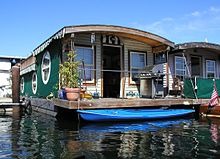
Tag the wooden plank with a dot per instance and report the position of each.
(120, 103)
(212, 115)
(10, 104)
(28, 62)
(161, 48)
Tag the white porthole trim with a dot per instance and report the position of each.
(22, 85)
(46, 67)
(34, 83)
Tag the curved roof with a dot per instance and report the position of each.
(132, 33)
(191, 45)
(143, 36)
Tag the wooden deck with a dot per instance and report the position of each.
(124, 103)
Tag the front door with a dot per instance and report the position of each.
(196, 67)
(111, 71)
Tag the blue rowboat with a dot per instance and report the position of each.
(131, 114)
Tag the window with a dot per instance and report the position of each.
(137, 63)
(180, 69)
(210, 68)
(22, 85)
(46, 67)
(160, 58)
(34, 82)
(86, 55)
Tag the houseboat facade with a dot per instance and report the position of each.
(192, 67)
(109, 58)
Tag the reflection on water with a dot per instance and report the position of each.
(41, 136)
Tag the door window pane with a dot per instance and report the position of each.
(195, 66)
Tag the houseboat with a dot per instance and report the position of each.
(114, 62)
(111, 55)
(192, 67)
(195, 70)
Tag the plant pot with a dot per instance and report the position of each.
(62, 94)
(72, 94)
(82, 93)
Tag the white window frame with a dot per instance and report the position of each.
(44, 68)
(214, 71)
(88, 65)
(22, 84)
(184, 66)
(34, 82)
(145, 63)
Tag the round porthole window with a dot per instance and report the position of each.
(46, 67)
(34, 82)
(22, 85)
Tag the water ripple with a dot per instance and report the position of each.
(40, 136)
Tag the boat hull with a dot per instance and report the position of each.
(211, 112)
(132, 114)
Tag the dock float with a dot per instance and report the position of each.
(103, 103)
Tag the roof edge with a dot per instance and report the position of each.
(189, 45)
(61, 33)
(119, 29)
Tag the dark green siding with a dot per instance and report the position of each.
(28, 85)
(42, 89)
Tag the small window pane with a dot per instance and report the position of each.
(84, 54)
(210, 75)
(79, 52)
(160, 58)
(138, 60)
(34, 83)
(89, 73)
(46, 67)
(134, 74)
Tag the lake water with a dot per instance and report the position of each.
(42, 136)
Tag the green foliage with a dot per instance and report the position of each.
(69, 71)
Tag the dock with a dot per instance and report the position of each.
(105, 103)
(7, 103)
(50, 106)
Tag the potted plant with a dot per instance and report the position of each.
(69, 77)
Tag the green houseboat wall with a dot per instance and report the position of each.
(43, 90)
(27, 85)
